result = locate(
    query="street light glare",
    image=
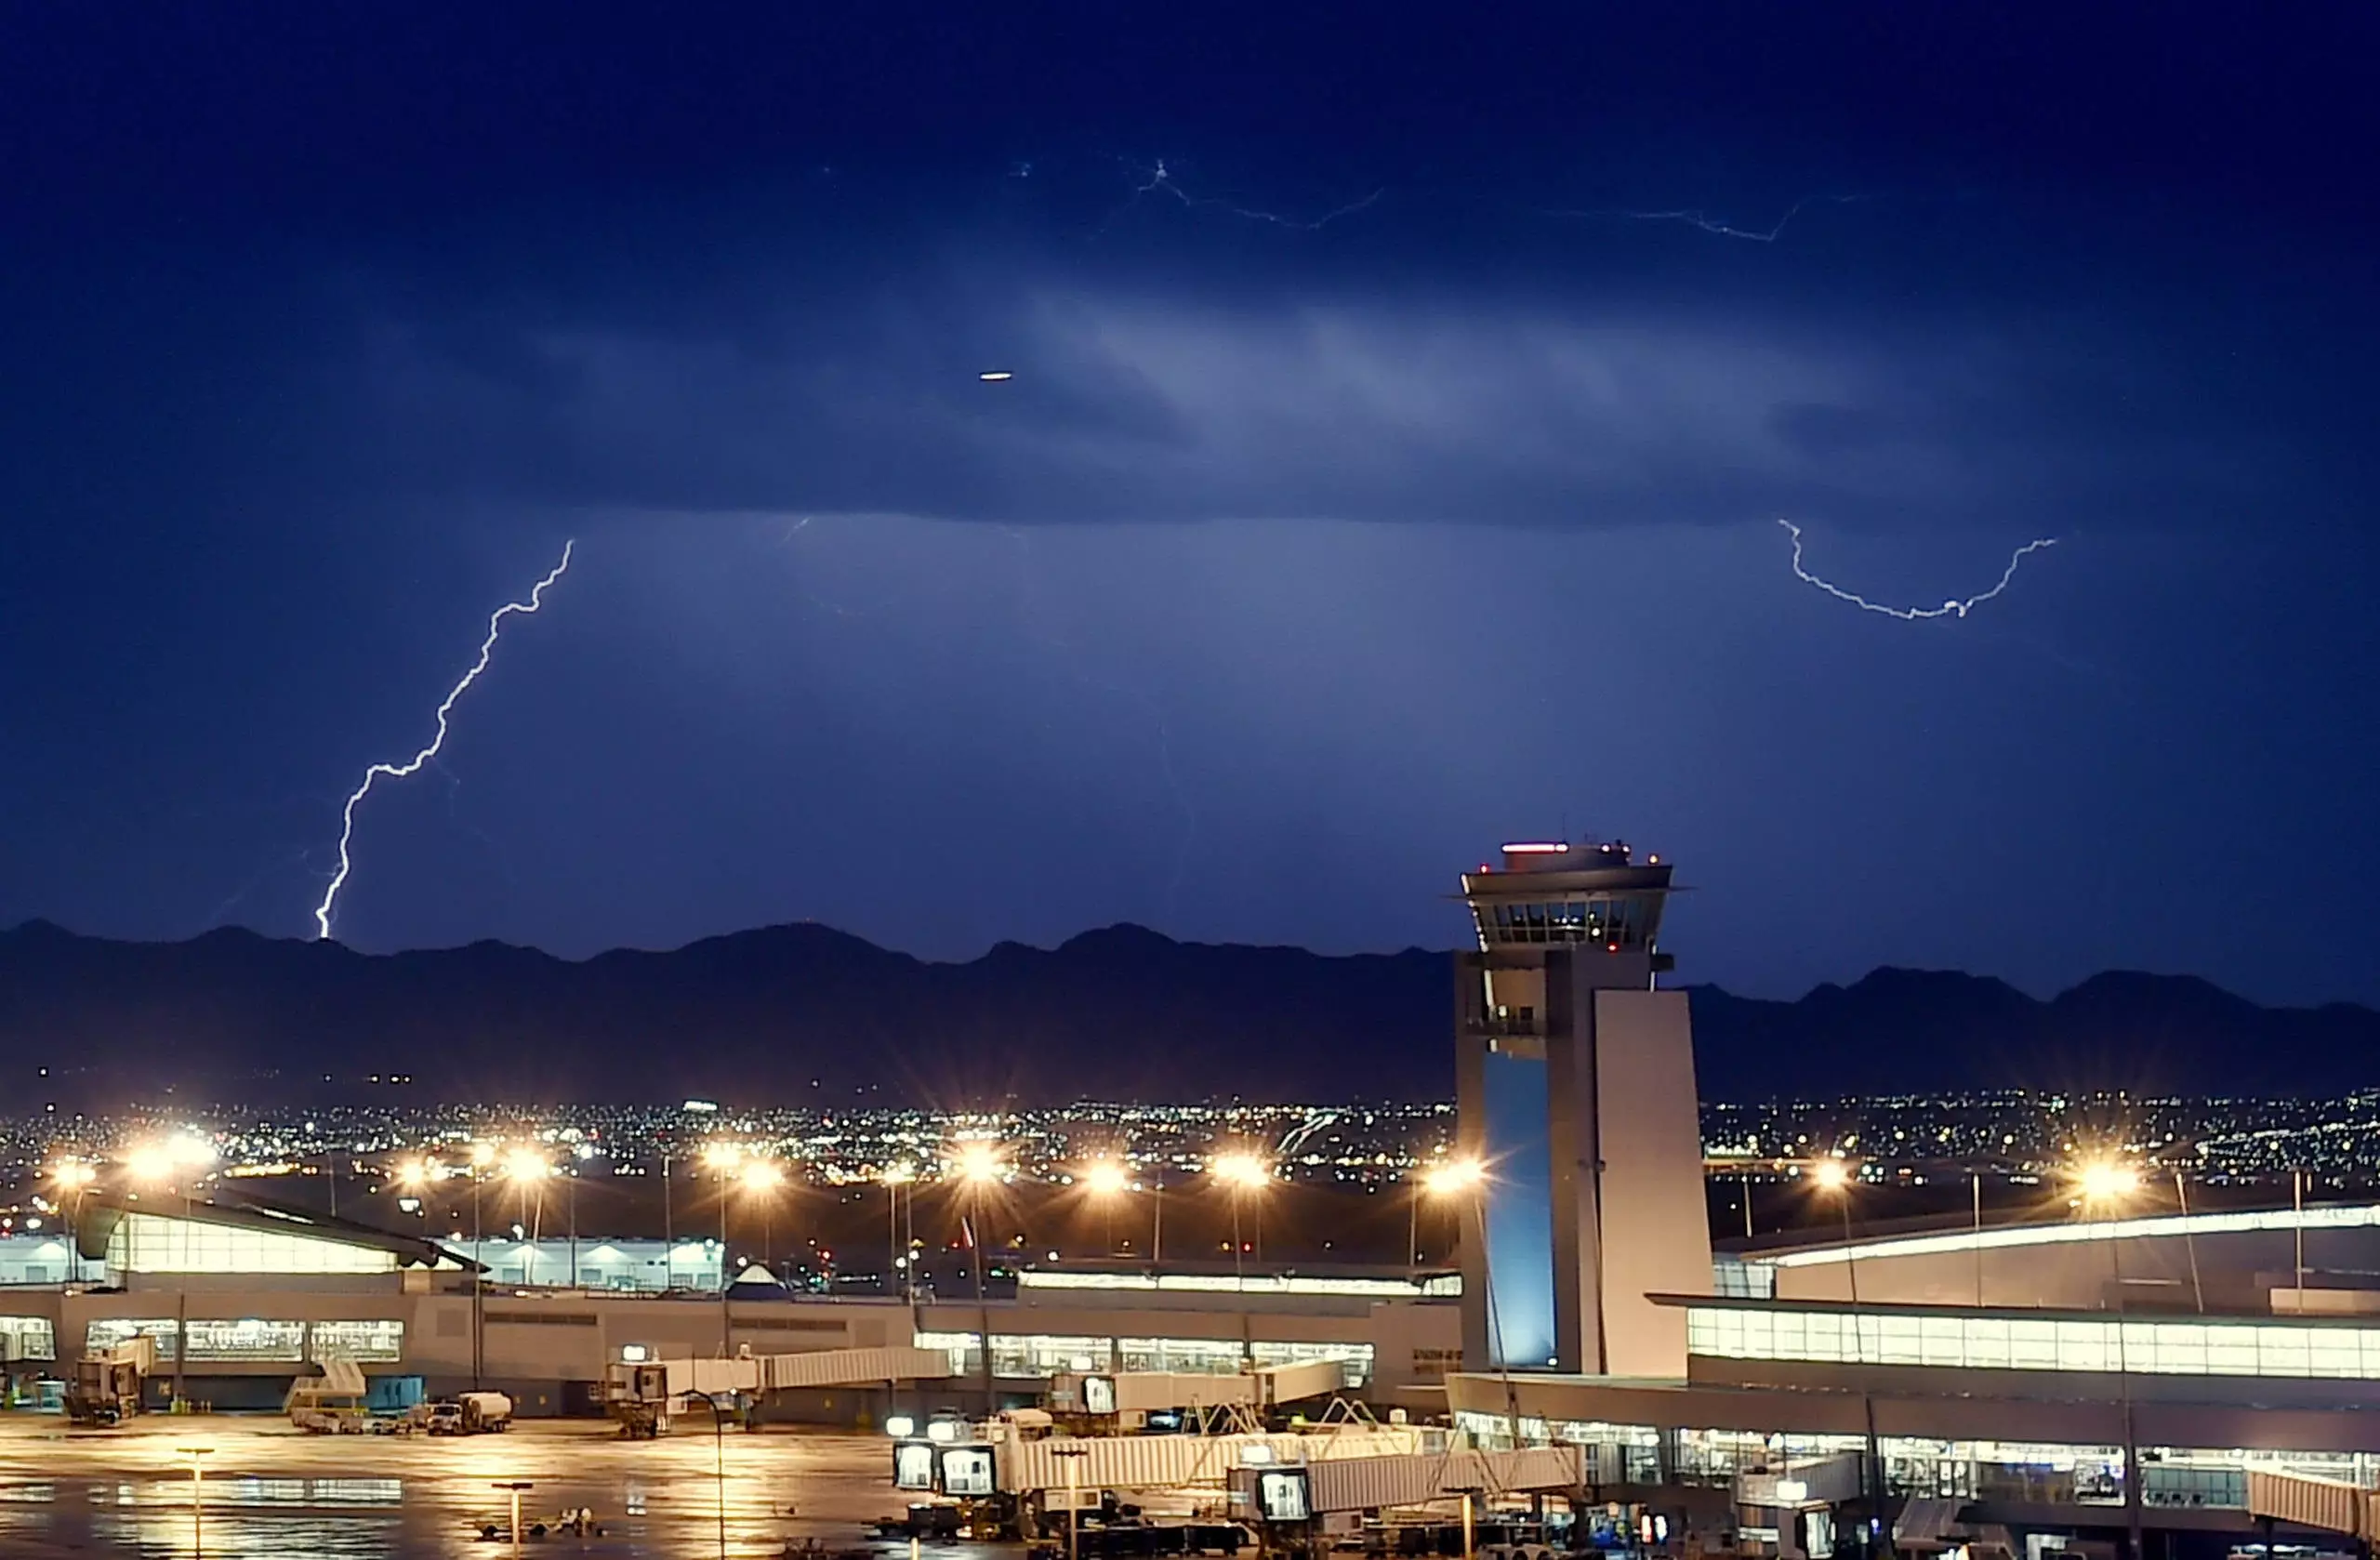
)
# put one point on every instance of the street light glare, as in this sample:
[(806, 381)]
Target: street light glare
[(526, 1164), (1244, 1170), (1105, 1178), (151, 1161), (2107, 1180), (74, 1173), (723, 1155), (483, 1154), (979, 1162), (1831, 1175), (760, 1176), (1448, 1179)]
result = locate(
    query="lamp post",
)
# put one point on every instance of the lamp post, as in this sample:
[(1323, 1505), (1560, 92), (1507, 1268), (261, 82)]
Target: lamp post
[(483, 1156), (1835, 1179), (668, 1240), (896, 1251), (172, 1164), (1104, 1181), (760, 1178), (2106, 1185), (514, 1487), (720, 1159), (527, 1169), (981, 1167), (1446, 1180), (73, 1178), (197, 1497), (1242, 1173)]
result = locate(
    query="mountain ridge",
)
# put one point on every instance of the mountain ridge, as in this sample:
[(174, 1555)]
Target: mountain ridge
[(804, 1013)]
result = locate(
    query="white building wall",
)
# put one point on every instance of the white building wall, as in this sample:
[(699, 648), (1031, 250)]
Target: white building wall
[(1656, 1227)]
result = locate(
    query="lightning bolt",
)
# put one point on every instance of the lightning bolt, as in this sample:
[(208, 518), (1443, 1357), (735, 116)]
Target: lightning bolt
[(412, 765), (1952, 608), (1717, 228), (1159, 179)]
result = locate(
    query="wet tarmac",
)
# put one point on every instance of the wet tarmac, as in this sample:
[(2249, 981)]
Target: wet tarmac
[(272, 1491)]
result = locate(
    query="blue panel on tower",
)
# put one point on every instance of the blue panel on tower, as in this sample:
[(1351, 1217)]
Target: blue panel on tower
[(1519, 1214)]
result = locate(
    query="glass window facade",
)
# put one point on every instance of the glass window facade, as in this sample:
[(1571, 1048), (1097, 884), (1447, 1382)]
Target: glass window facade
[(1023, 1354), (1617, 923), (255, 1340), (150, 1243), (1960, 1341), (366, 1342), (1919, 1467), (27, 1338)]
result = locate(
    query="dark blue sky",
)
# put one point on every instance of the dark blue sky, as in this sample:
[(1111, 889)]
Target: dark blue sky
[(1305, 557)]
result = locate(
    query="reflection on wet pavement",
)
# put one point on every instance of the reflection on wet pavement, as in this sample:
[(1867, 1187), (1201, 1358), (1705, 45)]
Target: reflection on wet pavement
[(270, 1491)]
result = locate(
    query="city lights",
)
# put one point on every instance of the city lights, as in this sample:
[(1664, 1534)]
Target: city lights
[(723, 1156)]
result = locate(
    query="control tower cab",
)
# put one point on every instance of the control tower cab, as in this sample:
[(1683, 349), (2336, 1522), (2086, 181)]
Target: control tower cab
[(1575, 1084)]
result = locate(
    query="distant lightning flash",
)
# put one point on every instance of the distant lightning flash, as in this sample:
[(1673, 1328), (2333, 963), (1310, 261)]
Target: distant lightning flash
[(412, 765), (1160, 179), (1952, 608), (1703, 221)]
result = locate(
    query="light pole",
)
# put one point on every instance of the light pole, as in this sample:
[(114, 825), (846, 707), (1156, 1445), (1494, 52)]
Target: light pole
[(197, 1497), (896, 1251), (173, 1164), (527, 1169), (483, 1156), (760, 1178), (1104, 1181), (1443, 1181), (1243, 1174), (2106, 1185), (669, 1241), (981, 1167), (1835, 1179), (721, 1158), (73, 1178), (514, 1487)]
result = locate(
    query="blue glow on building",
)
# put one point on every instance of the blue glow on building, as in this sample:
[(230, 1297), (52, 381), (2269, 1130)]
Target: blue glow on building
[(1519, 1213)]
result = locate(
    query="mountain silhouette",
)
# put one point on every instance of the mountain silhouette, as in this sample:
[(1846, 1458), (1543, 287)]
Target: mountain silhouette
[(804, 1014)]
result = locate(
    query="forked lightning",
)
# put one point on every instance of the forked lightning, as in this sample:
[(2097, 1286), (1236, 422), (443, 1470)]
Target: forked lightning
[(412, 765), (1952, 608)]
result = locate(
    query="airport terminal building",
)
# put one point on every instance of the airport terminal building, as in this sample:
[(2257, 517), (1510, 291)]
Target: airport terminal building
[(2092, 1374)]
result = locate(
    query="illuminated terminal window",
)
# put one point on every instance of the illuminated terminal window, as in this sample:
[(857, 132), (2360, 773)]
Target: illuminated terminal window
[(1980, 1342), (256, 1340), (27, 1338), (249, 1339), (366, 1342), (1023, 1354), (105, 1332), (150, 1243)]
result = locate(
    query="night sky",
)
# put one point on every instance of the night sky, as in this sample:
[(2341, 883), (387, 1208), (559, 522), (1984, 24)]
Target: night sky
[(1404, 403)]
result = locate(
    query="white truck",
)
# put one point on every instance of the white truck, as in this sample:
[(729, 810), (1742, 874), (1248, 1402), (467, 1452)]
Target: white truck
[(472, 1413)]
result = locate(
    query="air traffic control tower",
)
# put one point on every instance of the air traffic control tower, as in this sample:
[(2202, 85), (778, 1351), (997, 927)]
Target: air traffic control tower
[(1575, 1084)]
